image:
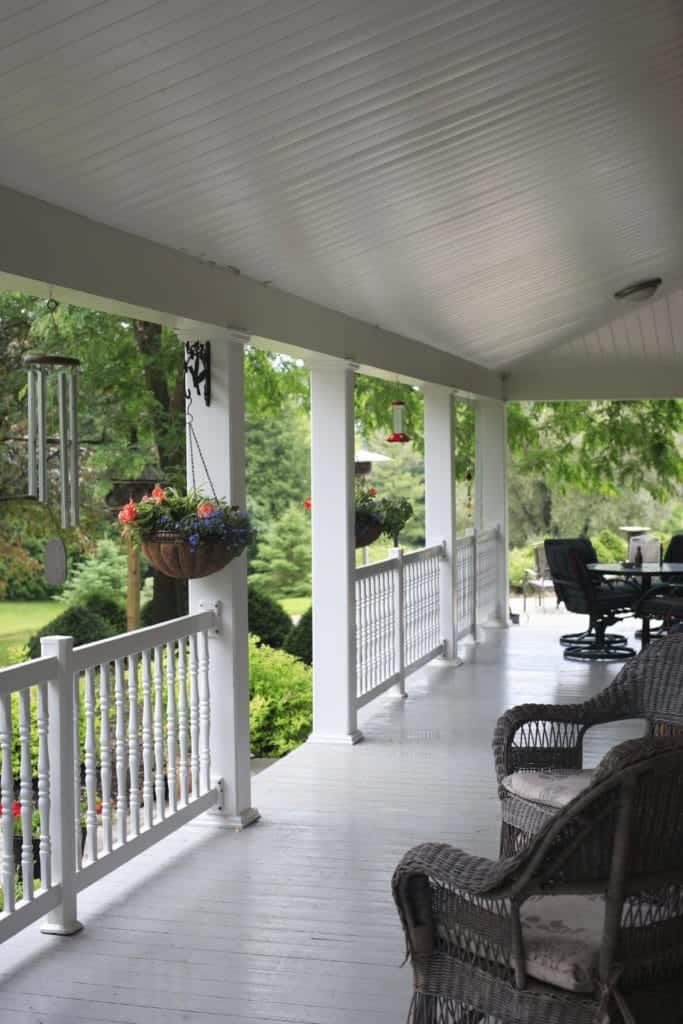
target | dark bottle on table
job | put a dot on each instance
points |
(639, 557)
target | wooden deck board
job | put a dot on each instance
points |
(292, 920)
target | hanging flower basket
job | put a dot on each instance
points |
(186, 536)
(174, 556)
(367, 533)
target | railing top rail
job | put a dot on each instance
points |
(363, 572)
(465, 542)
(423, 553)
(490, 533)
(139, 640)
(28, 673)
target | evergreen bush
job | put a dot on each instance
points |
(300, 640)
(267, 619)
(84, 625)
(104, 572)
(281, 701)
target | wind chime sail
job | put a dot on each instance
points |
(62, 371)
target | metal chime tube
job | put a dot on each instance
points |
(42, 435)
(74, 450)
(65, 493)
(32, 432)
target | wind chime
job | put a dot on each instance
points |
(468, 503)
(48, 373)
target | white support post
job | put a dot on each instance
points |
(439, 459)
(64, 813)
(491, 489)
(399, 620)
(220, 432)
(333, 520)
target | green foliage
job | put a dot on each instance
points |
(394, 514)
(283, 565)
(267, 619)
(78, 621)
(610, 546)
(22, 577)
(299, 643)
(280, 705)
(519, 560)
(105, 571)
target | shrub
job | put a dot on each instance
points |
(110, 610)
(609, 546)
(283, 564)
(520, 559)
(84, 625)
(281, 701)
(267, 619)
(300, 640)
(22, 577)
(105, 572)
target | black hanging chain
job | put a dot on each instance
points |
(193, 442)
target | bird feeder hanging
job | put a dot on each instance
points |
(44, 372)
(398, 416)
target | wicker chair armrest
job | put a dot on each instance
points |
(524, 732)
(455, 869)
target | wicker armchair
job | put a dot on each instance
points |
(538, 749)
(582, 926)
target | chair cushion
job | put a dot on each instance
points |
(551, 787)
(562, 936)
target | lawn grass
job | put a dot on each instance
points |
(19, 620)
(296, 605)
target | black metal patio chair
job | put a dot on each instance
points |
(582, 592)
(664, 601)
(582, 926)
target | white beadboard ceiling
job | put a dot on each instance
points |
(477, 174)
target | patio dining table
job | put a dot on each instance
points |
(644, 574)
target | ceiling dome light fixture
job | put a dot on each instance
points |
(640, 291)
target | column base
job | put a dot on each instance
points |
(453, 661)
(233, 822)
(345, 739)
(61, 929)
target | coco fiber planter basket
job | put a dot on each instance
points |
(174, 556)
(367, 534)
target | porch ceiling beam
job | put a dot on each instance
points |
(89, 263)
(548, 379)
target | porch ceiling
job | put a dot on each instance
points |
(480, 175)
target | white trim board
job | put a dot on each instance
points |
(88, 263)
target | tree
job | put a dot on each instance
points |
(283, 565)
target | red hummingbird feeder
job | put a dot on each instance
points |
(398, 415)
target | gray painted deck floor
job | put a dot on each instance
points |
(292, 920)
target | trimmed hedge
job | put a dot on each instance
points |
(96, 620)
(267, 619)
(300, 640)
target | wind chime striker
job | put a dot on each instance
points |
(44, 373)
(398, 415)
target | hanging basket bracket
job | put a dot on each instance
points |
(198, 365)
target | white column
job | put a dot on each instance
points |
(333, 520)
(490, 508)
(220, 430)
(439, 460)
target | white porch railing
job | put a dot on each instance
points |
(397, 619)
(477, 559)
(108, 745)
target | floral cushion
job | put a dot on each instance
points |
(562, 936)
(552, 787)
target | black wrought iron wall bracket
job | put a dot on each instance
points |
(198, 365)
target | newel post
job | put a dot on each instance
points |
(491, 488)
(64, 781)
(334, 553)
(439, 461)
(220, 431)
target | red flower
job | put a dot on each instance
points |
(16, 809)
(308, 504)
(159, 494)
(372, 491)
(98, 807)
(129, 512)
(206, 509)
